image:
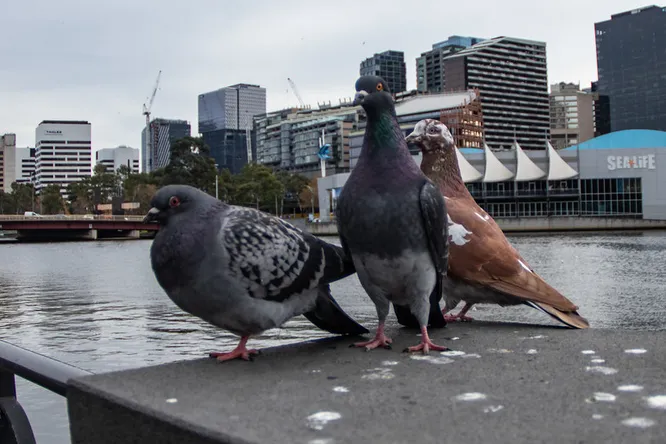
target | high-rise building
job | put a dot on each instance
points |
(631, 65)
(225, 123)
(601, 111)
(16, 164)
(389, 65)
(163, 133)
(290, 139)
(7, 146)
(24, 166)
(429, 69)
(510, 74)
(571, 115)
(62, 153)
(114, 158)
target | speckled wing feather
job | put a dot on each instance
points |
(274, 259)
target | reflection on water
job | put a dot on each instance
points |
(97, 305)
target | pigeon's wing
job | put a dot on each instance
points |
(433, 213)
(271, 257)
(275, 260)
(484, 256)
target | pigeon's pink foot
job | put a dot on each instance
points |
(239, 352)
(461, 316)
(426, 344)
(458, 317)
(381, 340)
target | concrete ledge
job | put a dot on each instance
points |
(514, 383)
(538, 224)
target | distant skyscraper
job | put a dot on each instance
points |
(571, 115)
(225, 122)
(7, 146)
(631, 64)
(601, 111)
(163, 133)
(510, 74)
(62, 152)
(429, 69)
(16, 164)
(114, 158)
(389, 65)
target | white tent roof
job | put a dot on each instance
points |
(558, 169)
(467, 171)
(525, 168)
(495, 171)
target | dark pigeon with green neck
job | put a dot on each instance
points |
(392, 221)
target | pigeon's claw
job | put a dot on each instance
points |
(461, 316)
(457, 317)
(380, 340)
(239, 352)
(426, 344)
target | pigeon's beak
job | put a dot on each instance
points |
(152, 215)
(359, 97)
(413, 139)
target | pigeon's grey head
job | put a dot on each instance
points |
(373, 94)
(431, 136)
(173, 201)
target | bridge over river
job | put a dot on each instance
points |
(76, 227)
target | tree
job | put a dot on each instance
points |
(309, 197)
(293, 185)
(21, 198)
(52, 201)
(227, 186)
(6, 202)
(257, 185)
(104, 184)
(80, 198)
(190, 164)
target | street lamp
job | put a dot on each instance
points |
(217, 185)
(311, 199)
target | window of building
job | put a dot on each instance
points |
(612, 197)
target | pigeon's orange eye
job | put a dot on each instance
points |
(174, 202)
(380, 87)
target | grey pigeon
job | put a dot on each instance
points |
(241, 269)
(392, 220)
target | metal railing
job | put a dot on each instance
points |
(46, 372)
(73, 217)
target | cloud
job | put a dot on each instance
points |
(98, 61)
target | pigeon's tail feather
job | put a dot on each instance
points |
(329, 316)
(571, 319)
(405, 316)
(435, 318)
(338, 264)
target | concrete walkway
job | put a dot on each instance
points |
(504, 383)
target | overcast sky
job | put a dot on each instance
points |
(98, 60)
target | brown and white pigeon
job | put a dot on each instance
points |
(483, 266)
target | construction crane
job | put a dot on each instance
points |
(298, 96)
(146, 112)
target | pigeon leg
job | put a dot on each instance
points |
(461, 315)
(381, 340)
(426, 344)
(239, 352)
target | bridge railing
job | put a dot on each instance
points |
(46, 372)
(74, 217)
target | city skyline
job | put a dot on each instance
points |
(95, 77)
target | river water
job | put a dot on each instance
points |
(98, 306)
